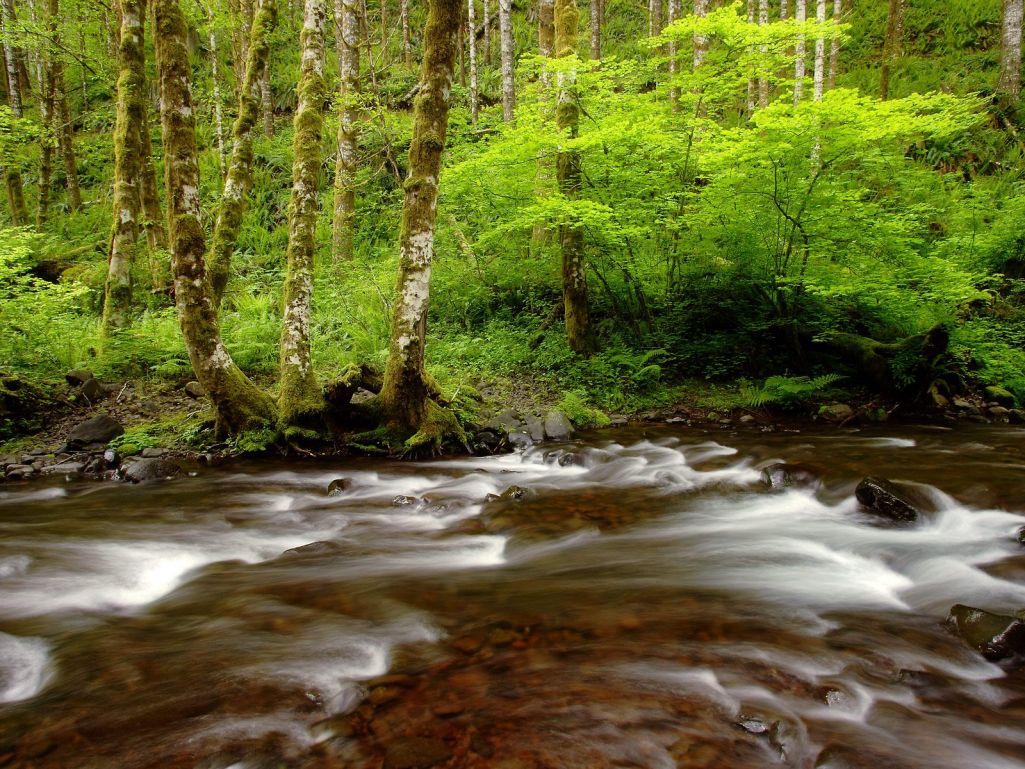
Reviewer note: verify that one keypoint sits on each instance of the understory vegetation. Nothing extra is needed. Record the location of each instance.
(754, 254)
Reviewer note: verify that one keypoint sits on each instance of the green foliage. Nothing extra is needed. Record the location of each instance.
(785, 391)
(576, 408)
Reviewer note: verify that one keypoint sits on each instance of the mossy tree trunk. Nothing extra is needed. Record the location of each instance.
(240, 405)
(406, 392)
(300, 397)
(131, 108)
(673, 14)
(1009, 82)
(12, 175)
(407, 48)
(343, 217)
(892, 44)
(239, 181)
(47, 135)
(153, 222)
(63, 125)
(571, 235)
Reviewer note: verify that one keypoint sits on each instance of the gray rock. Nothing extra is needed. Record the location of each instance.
(65, 468)
(781, 475)
(713, 416)
(151, 470)
(111, 458)
(535, 427)
(8, 459)
(101, 429)
(504, 421)
(20, 469)
(78, 376)
(519, 439)
(93, 390)
(152, 453)
(404, 500)
(836, 412)
(887, 499)
(557, 425)
(747, 419)
(195, 390)
(315, 548)
(339, 486)
(965, 405)
(996, 636)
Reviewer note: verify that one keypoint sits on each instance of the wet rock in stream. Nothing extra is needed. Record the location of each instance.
(996, 636)
(887, 499)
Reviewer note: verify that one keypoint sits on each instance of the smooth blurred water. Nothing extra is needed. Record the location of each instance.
(647, 601)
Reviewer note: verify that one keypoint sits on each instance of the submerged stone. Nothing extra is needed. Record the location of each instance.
(339, 486)
(887, 499)
(781, 475)
(996, 636)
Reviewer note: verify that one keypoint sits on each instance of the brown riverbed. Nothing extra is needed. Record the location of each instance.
(645, 600)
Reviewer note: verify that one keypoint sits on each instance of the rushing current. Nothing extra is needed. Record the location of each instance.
(638, 598)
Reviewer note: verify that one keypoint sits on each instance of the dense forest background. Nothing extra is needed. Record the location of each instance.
(746, 231)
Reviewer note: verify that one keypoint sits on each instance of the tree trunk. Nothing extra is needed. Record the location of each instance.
(61, 115)
(763, 82)
(127, 166)
(153, 216)
(820, 51)
(784, 10)
(834, 51)
(407, 49)
(654, 17)
(267, 100)
(700, 41)
(46, 137)
(486, 5)
(595, 25)
(215, 75)
(474, 94)
(16, 69)
(239, 182)
(674, 57)
(801, 16)
(240, 405)
(300, 397)
(15, 188)
(752, 85)
(405, 395)
(571, 235)
(343, 220)
(546, 28)
(892, 44)
(1009, 82)
(506, 35)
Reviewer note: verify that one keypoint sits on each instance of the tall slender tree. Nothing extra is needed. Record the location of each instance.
(752, 84)
(820, 51)
(654, 17)
(344, 215)
(673, 14)
(239, 404)
(300, 396)
(568, 174)
(1009, 82)
(407, 47)
(405, 400)
(700, 41)
(131, 85)
(12, 175)
(63, 126)
(505, 32)
(800, 49)
(472, 38)
(239, 181)
(763, 82)
(487, 22)
(595, 27)
(892, 44)
(834, 51)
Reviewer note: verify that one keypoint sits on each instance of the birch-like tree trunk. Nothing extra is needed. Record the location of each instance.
(800, 49)
(344, 214)
(267, 101)
(239, 181)
(215, 75)
(12, 176)
(474, 94)
(405, 399)
(131, 85)
(567, 165)
(892, 44)
(595, 27)
(752, 84)
(654, 17)
(17, 74)
(700, 41)
(487, 21)
(300, 396)
(834, 51)
(1009, 82)
(673, 14)
(505, 31)
(407, 48)
(239, 404)
(784, 10)
(763, 82)
(820, 51)
(47, 135)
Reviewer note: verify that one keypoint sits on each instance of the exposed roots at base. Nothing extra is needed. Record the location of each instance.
(440, 425)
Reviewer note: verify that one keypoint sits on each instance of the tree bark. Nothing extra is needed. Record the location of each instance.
(568, 174)
(127, 166)
(61, 115)
(343, 218)
(486, 6)
(700, 41)
(763, 82)
(784, 10)
(1009, 82)
(891, 45)
(153, 216)
(595, 25)
(407, 49)
(239, 181)
(215, 75)
(300, 397)
(673, 11)
(654, 17)
(239, 404)
(834, 52)
(546, 28)
(267, 101)
(752, 84)
(820, 52)
(15, 187)
(508, 64)
(801, 16)
(474, 94)
(405, 395)
(46, 137)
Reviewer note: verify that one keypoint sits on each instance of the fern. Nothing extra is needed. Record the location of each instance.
(785, 391)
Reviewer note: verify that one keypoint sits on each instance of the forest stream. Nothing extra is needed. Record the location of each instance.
(636, 598)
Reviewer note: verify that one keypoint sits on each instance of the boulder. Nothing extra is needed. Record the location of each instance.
(887, 499)
(78, 376)
(504, 421)
(519, 439)
(996, 636)
(1001, 395)
(961, 404)
(93, 390)
(557, 425)
(747, 419)
(151, 470)
(1000, 412)
(836, 412)
(535, 427)
(151, 452)
(1017, 416)
(65, 468)
(339, 486)
(781, 475)
(101, 429)
(195, 390)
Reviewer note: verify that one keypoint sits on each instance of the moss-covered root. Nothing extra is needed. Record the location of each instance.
(439, 426)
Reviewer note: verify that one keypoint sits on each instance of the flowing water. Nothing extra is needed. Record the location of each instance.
(640, 598)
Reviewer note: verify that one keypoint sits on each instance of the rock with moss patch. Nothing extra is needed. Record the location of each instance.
(195, 390)
(836, 412)
(996, 636)
(78, 376)
(557, 425)
(1000, 395)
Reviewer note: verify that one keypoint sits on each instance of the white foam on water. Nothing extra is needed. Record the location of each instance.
(14, 565)
(24, 667)
(36, 495)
